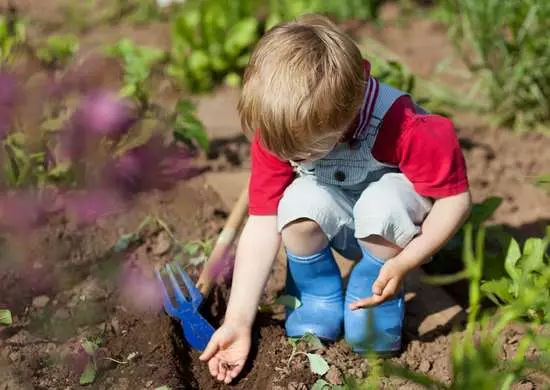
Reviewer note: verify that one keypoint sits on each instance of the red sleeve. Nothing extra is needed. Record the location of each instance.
(426, 149)
(269, 177)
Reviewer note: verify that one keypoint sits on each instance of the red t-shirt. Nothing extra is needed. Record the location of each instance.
(424, 147)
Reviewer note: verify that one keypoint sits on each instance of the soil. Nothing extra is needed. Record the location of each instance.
(68, 286)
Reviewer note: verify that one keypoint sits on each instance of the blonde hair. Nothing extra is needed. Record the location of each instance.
(303, 85)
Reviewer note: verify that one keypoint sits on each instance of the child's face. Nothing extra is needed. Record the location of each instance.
(322, 149)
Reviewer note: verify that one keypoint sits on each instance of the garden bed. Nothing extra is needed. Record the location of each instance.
(69, 289)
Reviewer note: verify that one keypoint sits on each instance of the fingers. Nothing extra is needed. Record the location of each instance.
(367, 302)
(389, 290)
(235, 370)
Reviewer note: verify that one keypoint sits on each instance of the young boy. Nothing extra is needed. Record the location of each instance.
(339, 160)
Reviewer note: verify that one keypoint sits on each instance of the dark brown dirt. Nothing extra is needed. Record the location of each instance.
(66, 286)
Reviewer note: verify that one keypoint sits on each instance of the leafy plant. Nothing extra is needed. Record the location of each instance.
(90, 371)
(317, 363)
(281, 10)
(211, 42)
(138, 64)
(58, 51)
(504, 43)
(526, 286)
(12, 35)
(5, 317)
(475, 358)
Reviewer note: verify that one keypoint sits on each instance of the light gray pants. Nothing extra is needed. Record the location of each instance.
(388, 207)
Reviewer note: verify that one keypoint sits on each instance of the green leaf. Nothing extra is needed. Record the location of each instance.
(88, 375)
(313, 341)
(289, 301)
(163, 388)
(90, 347)
(232, 80)
(191, 248)
(125, 241)
(483, 211)
(5, 317)
(513, 255)
(317, 364)
(498, 289)
(321, 384)
(188, 127)
(534, 250)
(241, 36)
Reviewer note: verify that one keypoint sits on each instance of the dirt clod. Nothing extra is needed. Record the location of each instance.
(425, 366)
(162, 245)
(334, 376)
(40, 302)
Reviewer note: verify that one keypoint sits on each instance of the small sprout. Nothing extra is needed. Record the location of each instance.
(321, 384)
(88, 376)
(317, 364)
(313, 341)
(5, 317)
(125, 241)
(90, 347)
(191, 248)
(90, 371)
(164, 388)
(289, 301)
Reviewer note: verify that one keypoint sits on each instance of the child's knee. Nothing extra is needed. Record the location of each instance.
(303, 237)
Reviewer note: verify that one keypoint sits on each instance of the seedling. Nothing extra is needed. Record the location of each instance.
(5, 317)
(58, 51)
(138, 64)
(12, 35)
(89, 374)
(317, 364)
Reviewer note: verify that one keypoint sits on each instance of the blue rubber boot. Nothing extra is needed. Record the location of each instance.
(316, 281)
(378, 328)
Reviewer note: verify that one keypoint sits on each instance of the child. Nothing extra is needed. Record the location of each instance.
(339, 160)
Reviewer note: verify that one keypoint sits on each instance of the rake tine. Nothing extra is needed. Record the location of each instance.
(180, 296)
(194, 292)
(169, 307)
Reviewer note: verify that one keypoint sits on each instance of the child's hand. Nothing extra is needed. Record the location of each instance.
(386, 286)
(227, 351)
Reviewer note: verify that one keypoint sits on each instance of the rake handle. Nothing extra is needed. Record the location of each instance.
(225, 241)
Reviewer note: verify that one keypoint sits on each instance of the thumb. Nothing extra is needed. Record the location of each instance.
(211, 349)
(220, 340)
(379, 285)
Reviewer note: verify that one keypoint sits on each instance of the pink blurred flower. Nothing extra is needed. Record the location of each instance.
(223, 269)
(104, 114)
(151, 166)
(139, 290)
(87, 206)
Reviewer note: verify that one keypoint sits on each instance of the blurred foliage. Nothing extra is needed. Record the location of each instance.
(522, 296)
(506, 44)
(212, 39)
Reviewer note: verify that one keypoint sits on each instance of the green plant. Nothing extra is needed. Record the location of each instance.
(281, 10)
(525, 289)
(317, 363)
(58, 51)
(211, 42)
(138, 65)
(90, 371)
(12, 35)
(505, 43)
(475, 357)
(5, 317)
